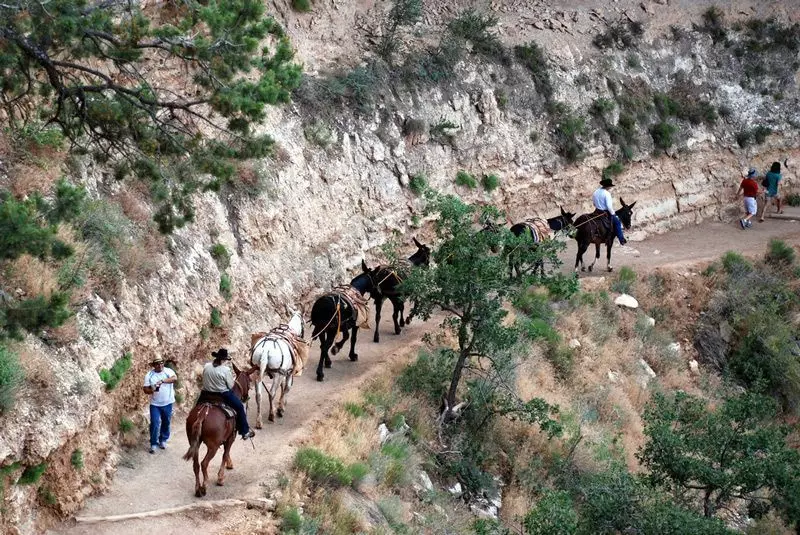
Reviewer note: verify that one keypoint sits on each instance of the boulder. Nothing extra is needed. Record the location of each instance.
(456, 490)
(383, 433)
(674, 348)
(694, 367)
(574, 343)
(423, 482)
(627, 301)
(651, 321)
(613, 377)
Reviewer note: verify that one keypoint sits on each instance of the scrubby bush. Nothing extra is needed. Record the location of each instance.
(613, 170)
(490, 182)
(76, 459)
(221, 256)
(602, 106)
(112, 377)
(417, 184)
(225, 286)
(554, 514)
(735, 264)
(477, 29)
(303, 6)
(428, 375)
(780, 254)
(532, 57)
(662, 134)
(570, 129)
(625, 281)
(11, 378)
(465, 179)
(126, 425)
(32, 474)
(793, 199)
(354, 409)
(216, 318)
(326, 470)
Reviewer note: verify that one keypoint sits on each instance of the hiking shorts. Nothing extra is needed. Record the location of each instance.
(750, 205)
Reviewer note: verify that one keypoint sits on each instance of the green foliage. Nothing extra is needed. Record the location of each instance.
(532, 57)
(221, 256)
(440, 129)
(735, 264)
(623, 33)
(602, 107)
(11, 377)
(490, 182)
(225, 286)
(417, 184)
(76, 459)
(488, 526)
(613, 170)
(554, 514)
(662, 134)
(465, 179)
(682, 104)
(326, 470)
(404, 13)
(709, 454)
(216, 318)
(757, 135)
(320, 134)
(714, 24)
(476, 28)
(46, 496)
(291, 520)
(303, 6)
(793, 199)
(125, 425)
(354, 409)
(108, 231)
(780, 254)
(570, 129)
(357, 87)
(625, 281)
(106, 100)
(113, 376)
(429, 374)
(35, 135)
(32, 474)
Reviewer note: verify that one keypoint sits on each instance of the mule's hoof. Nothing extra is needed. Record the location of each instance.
(376, 339)
(354, 357)
(198, 494)
(408, 321)
(398, 331)
(590, 268)
(202, 491)
(583, 269)
(402, 323)
(328, 364)
(259, 425)
(610, 269)
(334, 350)
(220, 483)
(271, 418)
(280, 413)
(320, 378)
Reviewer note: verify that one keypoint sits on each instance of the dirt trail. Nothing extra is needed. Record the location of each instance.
(164, 480)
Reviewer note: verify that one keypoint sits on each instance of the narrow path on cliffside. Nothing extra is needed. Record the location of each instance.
(164, 480)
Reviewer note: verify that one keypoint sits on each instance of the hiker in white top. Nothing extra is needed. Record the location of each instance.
(159, 385)
(603, 202)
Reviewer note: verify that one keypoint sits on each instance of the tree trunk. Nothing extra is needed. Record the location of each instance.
(708, 511)
(454, 381)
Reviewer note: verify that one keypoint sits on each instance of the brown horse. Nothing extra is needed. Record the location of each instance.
(207, 423)
(596, 228)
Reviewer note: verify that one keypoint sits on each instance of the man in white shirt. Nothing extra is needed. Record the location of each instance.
(604, 203)
(218, 379)
(159, 385)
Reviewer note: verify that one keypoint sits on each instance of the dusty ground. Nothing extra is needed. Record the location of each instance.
(164, 480)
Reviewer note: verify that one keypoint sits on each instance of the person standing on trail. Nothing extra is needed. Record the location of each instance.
(604, 203)
(159, 385)
(749, 187)
(771, 181)
(218, 379)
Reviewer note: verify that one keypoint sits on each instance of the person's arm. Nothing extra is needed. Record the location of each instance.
(609, 203)
(172, 378)
(741, 189)
(229, 380)
(147, 388)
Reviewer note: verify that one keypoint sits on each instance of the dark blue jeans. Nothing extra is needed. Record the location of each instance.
(618, 228)
(159, 423)
(241, 415)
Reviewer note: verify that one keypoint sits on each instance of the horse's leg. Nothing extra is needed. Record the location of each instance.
(353, 354)
(196, 465)
(211, 450)
(378, 306)
(402, 306)
(325, 344)
(259, 386)
(273, 389)
(596, 255)
(282, 401)
(582, 248)
(340, 344)
(397, 304)
(609, 244)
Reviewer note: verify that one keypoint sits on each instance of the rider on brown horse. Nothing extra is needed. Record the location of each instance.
(604, 203)
(218, 381)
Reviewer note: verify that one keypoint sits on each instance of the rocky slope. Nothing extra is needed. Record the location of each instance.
(337, 189)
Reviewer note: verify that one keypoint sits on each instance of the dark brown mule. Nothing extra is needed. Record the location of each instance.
(208, 424)
(596, 228)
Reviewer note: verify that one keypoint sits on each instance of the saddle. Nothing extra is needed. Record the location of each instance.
(539, 228)
(604, 218)
(356, 301)
(215, 399)
(298, 348)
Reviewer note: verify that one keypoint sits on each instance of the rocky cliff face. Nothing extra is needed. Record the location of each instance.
(337, 189)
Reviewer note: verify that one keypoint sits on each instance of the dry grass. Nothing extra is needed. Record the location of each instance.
(133, 206)
(32, 276)
(141, 259)
(38, 369)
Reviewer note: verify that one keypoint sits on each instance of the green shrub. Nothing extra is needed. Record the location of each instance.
(662, 134)
(793, 199)
(601, 107)
(440, 129)
(216, 318)
(32, 474)
(714, 24)
(561, 286)
(735, 264)
(539, 329)
(563, 359)
(613, 170)
(465, 179)
(291, 520)
(621, 34)
(428, 375)
(225, 286)
(354, 409)
(477, 29)
(625, 281)
(125, 425)
(113, 376)
(534, 304)
(221, 256)
(303, 6)
(11, 377)
(47, 496)
(76, 459)
(760, 134)
(490, 182)
(417, 184)
(554, 514)
(532, 57)
(780, 254)
(326, 470)
(570, 128)
(319, 133)
(35, 136)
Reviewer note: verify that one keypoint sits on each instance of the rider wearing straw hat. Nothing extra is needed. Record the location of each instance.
(158, 384)
(604, 203)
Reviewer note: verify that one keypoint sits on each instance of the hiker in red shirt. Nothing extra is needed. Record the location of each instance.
(750, 189)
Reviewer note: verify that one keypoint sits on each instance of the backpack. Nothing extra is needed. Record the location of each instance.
(765, 182)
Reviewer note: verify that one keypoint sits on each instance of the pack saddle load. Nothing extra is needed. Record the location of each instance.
(539, 229)
(297, 347)
(358, 304)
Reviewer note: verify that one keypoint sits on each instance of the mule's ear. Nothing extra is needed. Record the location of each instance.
(364, 267)
(562, 210)
(631, 205)
(623, 202)
(417, 243)
(235, 368)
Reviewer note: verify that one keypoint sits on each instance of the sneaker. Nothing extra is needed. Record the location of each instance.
(742, 223)
(623, 242)
(162, 445)
(749, 224)
(152, 449)
(249, 434)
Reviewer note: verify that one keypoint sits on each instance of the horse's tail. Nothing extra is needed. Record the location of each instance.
(195, 434)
